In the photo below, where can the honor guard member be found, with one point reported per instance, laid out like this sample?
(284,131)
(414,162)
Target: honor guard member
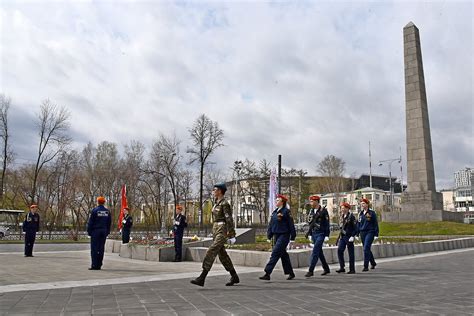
(348,227)
(318,233)
(222,231)
(368,229)
(98,227)
(127,223)
(282,228)
(30,228)
(178,232)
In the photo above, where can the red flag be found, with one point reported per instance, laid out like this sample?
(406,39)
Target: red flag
(123,205)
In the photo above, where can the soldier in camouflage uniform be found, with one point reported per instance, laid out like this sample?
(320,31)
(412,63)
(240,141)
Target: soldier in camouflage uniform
(222,231)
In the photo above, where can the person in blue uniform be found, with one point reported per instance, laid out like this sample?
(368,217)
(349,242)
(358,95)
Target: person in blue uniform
(31,226)
(178,232)
(282,229)
(127,223)
(348,229)
(98,228)
(318,233)
(368,230)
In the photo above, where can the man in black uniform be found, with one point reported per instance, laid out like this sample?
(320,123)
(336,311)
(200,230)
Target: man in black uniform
(98,228)
(318,233)
(127,223)
(178,232)
(30,228)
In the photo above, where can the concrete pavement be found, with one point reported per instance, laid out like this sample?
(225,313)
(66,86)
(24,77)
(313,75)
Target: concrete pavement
(429,284)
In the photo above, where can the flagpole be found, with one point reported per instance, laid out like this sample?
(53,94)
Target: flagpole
(370,167)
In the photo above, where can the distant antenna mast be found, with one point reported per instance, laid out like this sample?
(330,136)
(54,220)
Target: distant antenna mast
(370,167)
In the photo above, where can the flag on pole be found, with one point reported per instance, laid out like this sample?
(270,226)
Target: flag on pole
(272,190)
(122,205)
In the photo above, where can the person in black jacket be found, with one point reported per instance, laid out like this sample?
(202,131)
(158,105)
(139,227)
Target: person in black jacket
(98,227)
(318,233)
(348,227)
(127,223)
(282,228)
(31,226)
(178,232)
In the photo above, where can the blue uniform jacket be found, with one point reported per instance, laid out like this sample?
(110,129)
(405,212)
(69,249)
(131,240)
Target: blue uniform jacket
(281,222)
(180,223)
(321,219)
(349,225)
(100,218)
(31,223)
(368,222)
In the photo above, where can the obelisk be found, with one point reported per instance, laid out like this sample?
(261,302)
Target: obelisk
(421,196)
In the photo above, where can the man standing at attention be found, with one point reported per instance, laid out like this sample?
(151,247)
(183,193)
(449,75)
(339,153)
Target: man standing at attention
(30,228)
(98,228)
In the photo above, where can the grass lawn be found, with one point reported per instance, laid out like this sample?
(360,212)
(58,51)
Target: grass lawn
(425,229)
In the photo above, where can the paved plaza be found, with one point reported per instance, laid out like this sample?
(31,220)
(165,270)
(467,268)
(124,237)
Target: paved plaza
(58,283)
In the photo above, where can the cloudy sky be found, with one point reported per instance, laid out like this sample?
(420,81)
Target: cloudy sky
(300,78)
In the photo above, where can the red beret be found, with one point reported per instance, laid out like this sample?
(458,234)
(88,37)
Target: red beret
(282,197)
(366,201)
(101,200)
(33,205)
(126,208)
(314,198)
(179,207)
(347,205)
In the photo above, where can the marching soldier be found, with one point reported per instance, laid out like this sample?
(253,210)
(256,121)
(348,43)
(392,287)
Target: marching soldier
(98,227)
(30,228)
(282,228)
(368,229)
(178,232)
(318,233)
(222,231)
(127,223)
(348,226)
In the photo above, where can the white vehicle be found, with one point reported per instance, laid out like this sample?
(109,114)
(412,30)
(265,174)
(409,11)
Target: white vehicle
(4,231)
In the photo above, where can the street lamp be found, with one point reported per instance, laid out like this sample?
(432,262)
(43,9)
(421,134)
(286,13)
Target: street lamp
(237,169)
(390,161)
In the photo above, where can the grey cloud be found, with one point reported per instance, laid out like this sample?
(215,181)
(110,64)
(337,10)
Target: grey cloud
(305,79)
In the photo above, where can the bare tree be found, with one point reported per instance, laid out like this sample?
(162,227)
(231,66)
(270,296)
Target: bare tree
(166,151)
(332,168)
(7,153)
(52,126)
(206,137)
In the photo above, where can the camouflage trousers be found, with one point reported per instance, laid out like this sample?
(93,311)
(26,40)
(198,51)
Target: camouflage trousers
(218,249)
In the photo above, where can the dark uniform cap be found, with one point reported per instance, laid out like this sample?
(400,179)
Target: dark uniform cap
(221,186)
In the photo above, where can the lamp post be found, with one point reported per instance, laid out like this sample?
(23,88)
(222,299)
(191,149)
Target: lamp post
(390,161)
(237,169)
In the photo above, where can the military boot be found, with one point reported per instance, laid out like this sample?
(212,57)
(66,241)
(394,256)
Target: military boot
(234,278)
(200,279)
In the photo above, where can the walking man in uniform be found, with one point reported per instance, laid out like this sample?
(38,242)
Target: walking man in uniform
(318,233)
(368,228)
(178,232)
(282,229)
(348,227)
(98,228)
(30,228)
(222,231)
(127,223)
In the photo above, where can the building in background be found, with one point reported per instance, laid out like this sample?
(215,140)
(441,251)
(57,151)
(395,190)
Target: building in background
(448,200)
(463,190)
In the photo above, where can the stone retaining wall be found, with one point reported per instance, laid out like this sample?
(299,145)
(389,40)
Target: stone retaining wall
(150,253)
(300,257)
